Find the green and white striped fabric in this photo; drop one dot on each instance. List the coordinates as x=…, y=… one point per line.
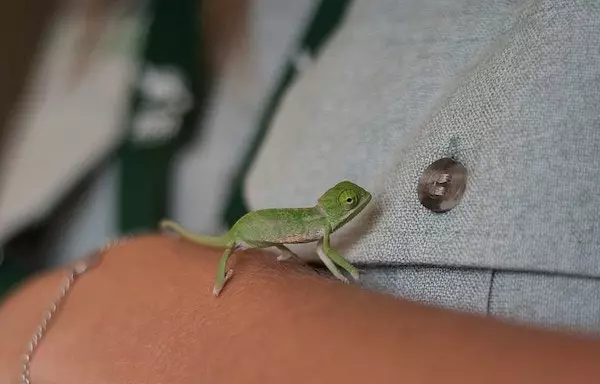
x=165, y=121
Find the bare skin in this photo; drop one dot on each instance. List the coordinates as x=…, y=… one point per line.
x=144, y=315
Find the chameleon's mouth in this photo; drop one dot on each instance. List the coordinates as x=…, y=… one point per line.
x=364, y=202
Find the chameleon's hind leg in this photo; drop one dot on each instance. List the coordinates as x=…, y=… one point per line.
x=328, y=263
x=287, y=254
x=222, y=274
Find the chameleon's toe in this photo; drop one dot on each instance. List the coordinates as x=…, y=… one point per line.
x=352, y=270
x=219, y=287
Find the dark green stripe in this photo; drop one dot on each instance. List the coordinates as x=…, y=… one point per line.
x=326, y=19
x=173, y=39
x=10, y=275
x=323, y=23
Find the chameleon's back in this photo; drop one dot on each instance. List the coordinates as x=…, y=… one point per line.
x=280, y=226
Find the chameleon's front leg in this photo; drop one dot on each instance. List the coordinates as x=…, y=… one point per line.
x=328, y=263
x=339, y=259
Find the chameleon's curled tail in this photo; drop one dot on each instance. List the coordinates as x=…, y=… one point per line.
x=213, y=241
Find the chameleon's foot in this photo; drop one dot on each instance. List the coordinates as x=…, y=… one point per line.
x=219, y=287
x=354, y=273
x=343, y=279
x=284, y=256
x=287, y=254
x=331, y=266
x=326, y=258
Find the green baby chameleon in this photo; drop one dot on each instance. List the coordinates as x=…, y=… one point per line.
x=276, y=227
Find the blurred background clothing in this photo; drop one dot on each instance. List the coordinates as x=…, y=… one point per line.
x=151, y=121
x=67, y=118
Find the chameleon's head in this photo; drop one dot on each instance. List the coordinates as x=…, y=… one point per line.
x=342, y=202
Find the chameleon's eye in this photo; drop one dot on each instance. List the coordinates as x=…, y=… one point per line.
x=348, y=199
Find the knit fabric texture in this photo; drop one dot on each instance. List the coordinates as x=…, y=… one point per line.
x=509, y=89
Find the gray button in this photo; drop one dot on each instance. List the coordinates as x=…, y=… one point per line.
x=442, y=185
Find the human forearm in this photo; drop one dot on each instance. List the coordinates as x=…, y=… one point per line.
x=147, y=315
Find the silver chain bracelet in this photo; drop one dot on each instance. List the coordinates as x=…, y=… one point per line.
x=78, y=269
